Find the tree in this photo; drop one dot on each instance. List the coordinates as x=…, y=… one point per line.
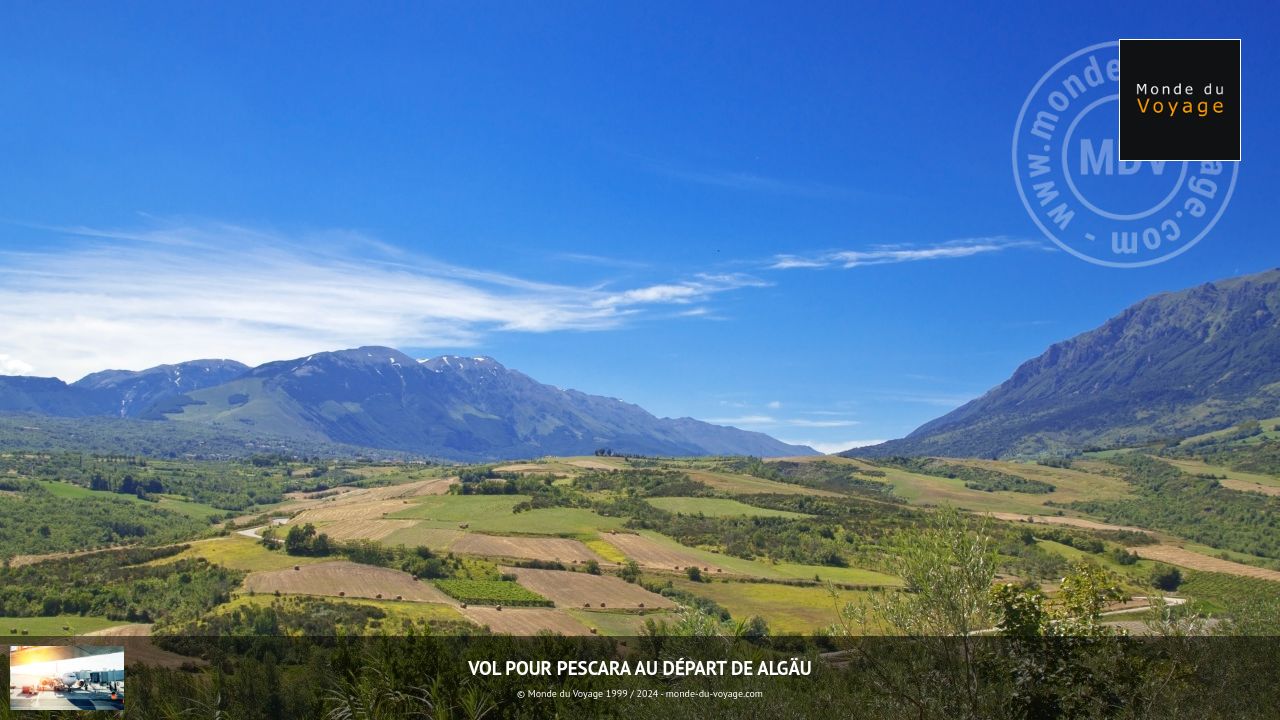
x=301, y=540
x=948, y=567
x=630, y=571
x=1166, y=577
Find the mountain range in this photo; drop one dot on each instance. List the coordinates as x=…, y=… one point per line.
x=456, y=408
x=1172, y=365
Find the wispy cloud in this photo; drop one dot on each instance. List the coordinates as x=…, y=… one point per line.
x=697, y=289
x=131, y=299
x=892, y=254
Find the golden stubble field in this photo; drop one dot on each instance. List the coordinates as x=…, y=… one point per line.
x=341, y=578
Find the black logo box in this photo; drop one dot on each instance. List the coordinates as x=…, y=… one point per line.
x=1186, y=68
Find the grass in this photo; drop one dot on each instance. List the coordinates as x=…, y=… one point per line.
x=52, y=626
x=1069, y=485
x=492, y=592
x=605, y=550
x=493, y=514
x=237, y=552
x=435, y=538
x=1243, y=558
x=618, y=624
x=716, y=507
x=396, y=610
x=1267, y=432
x=69, y=491
x=1136, y=573
x=190, y=509
x=1243, y=480
x=751, y=485
x=789, y=610
x=780, y=571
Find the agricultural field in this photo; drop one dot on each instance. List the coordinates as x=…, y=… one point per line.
x=658, y=552
x=612, y=510
x=1186, y=558
x=494, y=514
x=525, y=621
x=531, y=548
x=238, y=552
x=618, y=624
x=582, y=590
x=716, y=507
x=1061, y=520
x=1069, y=485
x=1221, y=591
x=377, y=529
x=655, y=554
x=491, y=592
x=68, y=491
x=789, y=610
x=340, y=578
x=56, y=626
x=1234, y=479
x=416, y=534
x=735, y=483
x=396, y=610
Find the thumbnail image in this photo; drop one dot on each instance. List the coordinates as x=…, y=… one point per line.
x=66, y=677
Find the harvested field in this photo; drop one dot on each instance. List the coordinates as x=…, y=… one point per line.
x=525, y=621
x=344, y=579
x=364, y=503
x=434, y=486
x=751, y=485
x=1245, y=486
x=532, y=548
x=597, y=464
x=348, y=510
x=577, y=590
x=18, y=561
x=319, y=494
x=131, y=630
x=652, y=554
x=1194, y=560
x=419, y=534
x=1060, y=520
x=521, y=467
x=361, y=529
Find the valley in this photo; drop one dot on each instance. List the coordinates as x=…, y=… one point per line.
x=592, y=545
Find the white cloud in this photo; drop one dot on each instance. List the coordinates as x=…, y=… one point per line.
x=827, y=448
x=892, y=254
x=13, y=366
x=136, y=299
x=774, y=405
x=682, y=293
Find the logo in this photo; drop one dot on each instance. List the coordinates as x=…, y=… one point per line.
x=1104, y=210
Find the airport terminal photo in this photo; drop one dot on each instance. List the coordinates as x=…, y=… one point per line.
x=66, y=677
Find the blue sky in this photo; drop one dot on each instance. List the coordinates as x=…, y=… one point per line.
x=610, y=197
